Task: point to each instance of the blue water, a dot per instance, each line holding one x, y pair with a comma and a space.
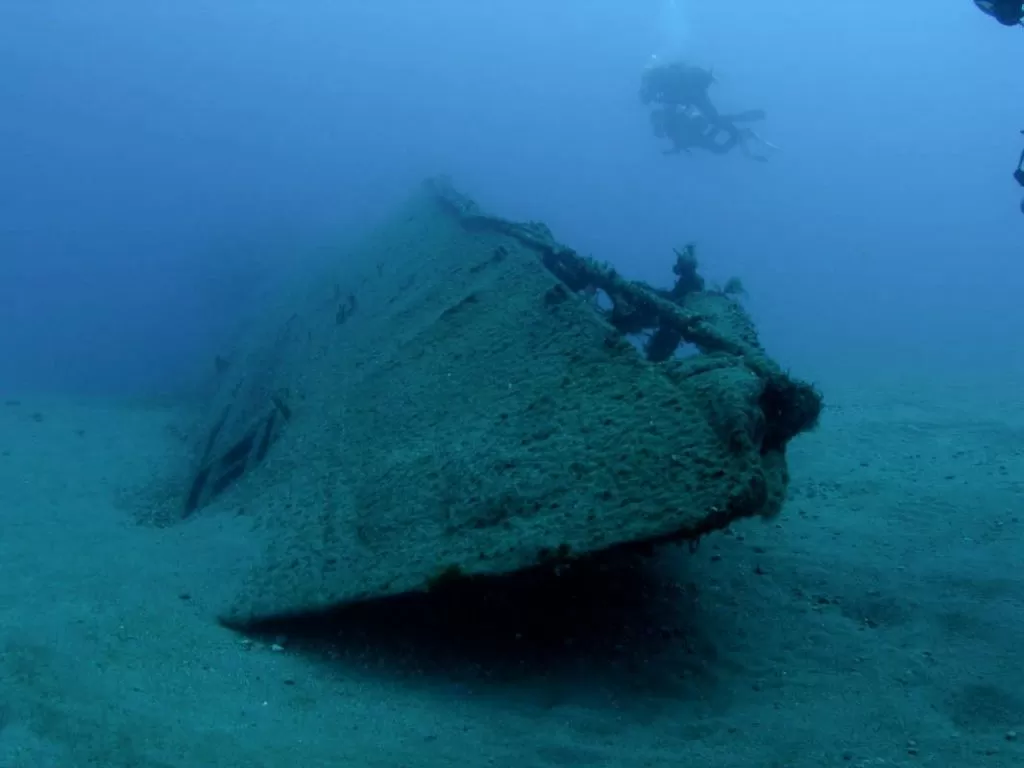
162, 164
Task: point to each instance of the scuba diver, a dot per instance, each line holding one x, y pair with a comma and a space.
688, 128
1009, 13
685, 115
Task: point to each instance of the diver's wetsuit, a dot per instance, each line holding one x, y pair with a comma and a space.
680, 85
1018, 175
691, 129
1007, 12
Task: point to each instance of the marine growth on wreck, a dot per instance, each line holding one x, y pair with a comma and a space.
452, 400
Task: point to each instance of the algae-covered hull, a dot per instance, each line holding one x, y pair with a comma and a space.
451, 400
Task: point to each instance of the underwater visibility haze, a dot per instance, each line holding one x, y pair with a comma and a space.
511, 383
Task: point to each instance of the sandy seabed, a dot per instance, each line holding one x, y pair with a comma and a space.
878, 622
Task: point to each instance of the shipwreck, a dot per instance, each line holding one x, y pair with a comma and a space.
463, 396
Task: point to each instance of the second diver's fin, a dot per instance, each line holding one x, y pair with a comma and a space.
749, 135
